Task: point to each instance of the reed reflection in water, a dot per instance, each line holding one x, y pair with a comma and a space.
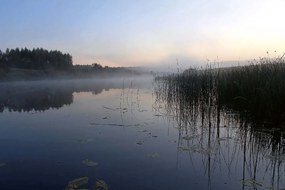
224, 140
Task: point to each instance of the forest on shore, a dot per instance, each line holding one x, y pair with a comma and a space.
18, 64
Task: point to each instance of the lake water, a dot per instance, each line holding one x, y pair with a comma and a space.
121, 131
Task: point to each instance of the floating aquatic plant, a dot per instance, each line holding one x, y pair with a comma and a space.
199, 149
101, 185
74, 184
190, 137
224, 138
109, 108
84, 141
139, 143
89, 163
154, 155
77, 183
251, 183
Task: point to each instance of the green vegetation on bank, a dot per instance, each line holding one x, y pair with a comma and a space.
38, 63
255, 91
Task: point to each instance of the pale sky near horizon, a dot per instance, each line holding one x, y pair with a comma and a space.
145, 32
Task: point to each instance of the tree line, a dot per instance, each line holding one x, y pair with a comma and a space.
37, 58
40, 63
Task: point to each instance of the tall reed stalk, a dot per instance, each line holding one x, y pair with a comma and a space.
255, 91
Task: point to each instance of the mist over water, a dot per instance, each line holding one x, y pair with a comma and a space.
46, 94
131, 134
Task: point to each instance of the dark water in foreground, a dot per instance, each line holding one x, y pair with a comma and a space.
130, 139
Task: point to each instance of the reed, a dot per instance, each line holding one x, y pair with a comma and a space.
255, 91
236, 111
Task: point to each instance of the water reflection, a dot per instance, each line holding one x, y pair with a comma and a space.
133, 138
226, 143
27, 98
44, 95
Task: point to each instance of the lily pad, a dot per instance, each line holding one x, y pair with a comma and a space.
89, 163
74, 184
154, 155
250, 183
139, 143
199, 149
84, 141
224, 138
109, 108
190, 137
101, 185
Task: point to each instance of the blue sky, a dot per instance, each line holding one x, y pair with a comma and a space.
141, 32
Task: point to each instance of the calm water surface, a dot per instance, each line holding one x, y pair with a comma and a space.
131, 138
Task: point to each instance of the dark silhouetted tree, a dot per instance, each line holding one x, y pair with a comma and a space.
37, 58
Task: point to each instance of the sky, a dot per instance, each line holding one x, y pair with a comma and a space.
146, 32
